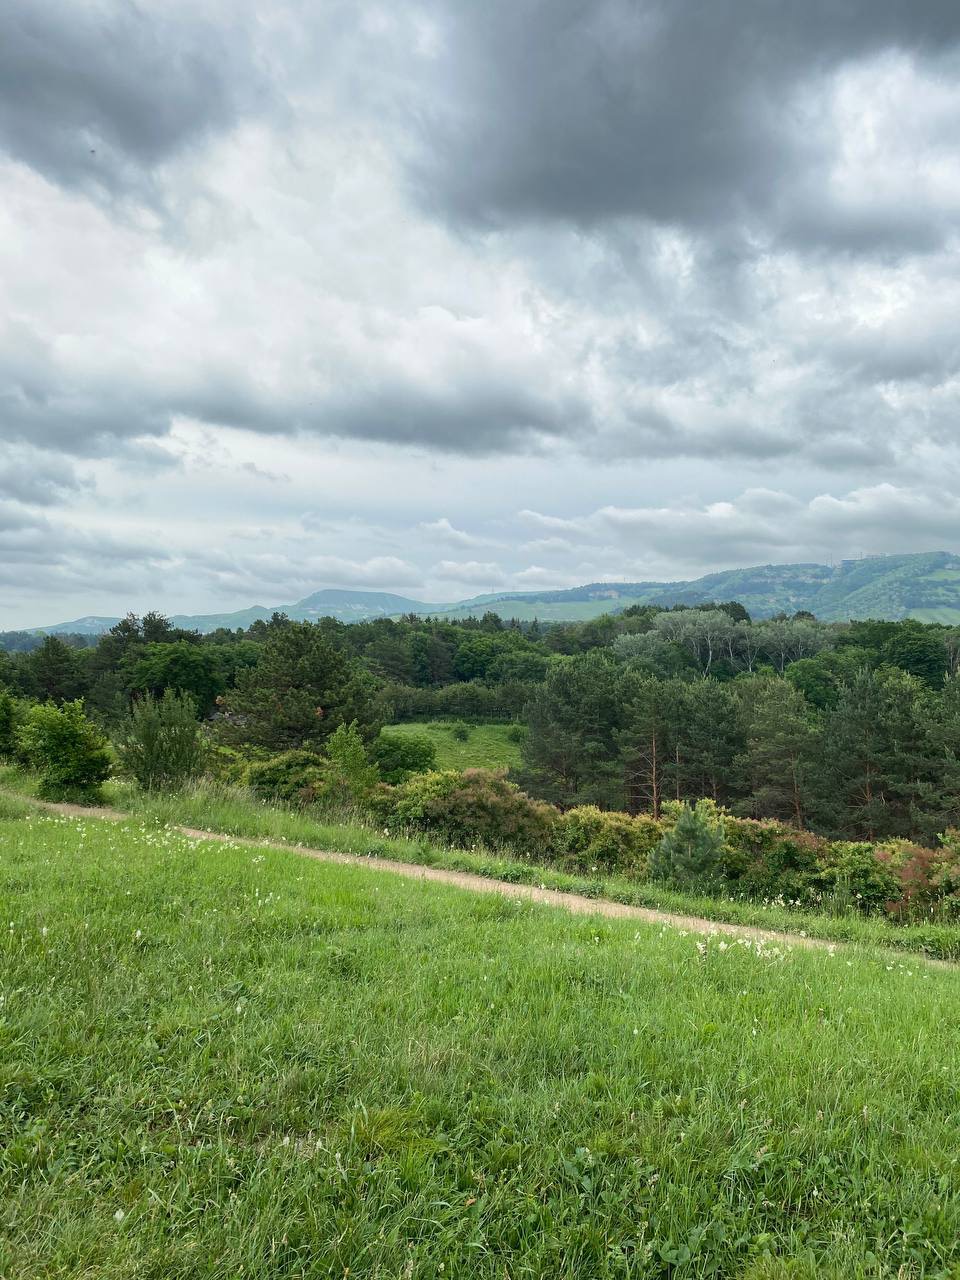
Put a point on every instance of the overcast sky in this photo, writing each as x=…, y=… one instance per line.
x=444, y=297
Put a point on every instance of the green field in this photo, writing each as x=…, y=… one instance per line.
x=216, y=807
x=488, y=746
x=217, y=1061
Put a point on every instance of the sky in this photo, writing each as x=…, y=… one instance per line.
x=443, y=298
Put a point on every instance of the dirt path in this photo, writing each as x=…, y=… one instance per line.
x=575, y=902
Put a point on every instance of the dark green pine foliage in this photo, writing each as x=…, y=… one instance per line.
x=942, y=807
x=781, y=744
x=57, y=672
x=690, y=855
x=710, y=739
x=878, y=767
x=303, y=688
x=570, y=753
x=652, y=712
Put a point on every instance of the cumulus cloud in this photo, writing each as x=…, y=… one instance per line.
x=765, y=526
x=682, y=113
x=688, y=268
x=97, y=94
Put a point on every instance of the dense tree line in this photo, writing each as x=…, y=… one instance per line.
x=852, y=729
x=880, y=759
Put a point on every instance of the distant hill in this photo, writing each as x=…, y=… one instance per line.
x=342, y=604
x=924, y=586
x=94, y=625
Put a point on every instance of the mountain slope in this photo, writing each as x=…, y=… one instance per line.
x=924, y=586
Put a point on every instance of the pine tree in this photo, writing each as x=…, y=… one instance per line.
x=877, y=765
x=57, y=671
x=570, y=752
x=302, y=689
x=652, y=714
x=710, y=739
x=776, y=765
x=690, y=854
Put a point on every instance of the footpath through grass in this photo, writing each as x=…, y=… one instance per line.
x=234, y=812
x=219, y=1062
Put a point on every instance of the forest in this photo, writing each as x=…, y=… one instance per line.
x=849, y=730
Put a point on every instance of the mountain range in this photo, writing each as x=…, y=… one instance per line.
x=924, y=586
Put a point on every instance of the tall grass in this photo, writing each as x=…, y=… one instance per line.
x=217, y=1061
x=233, y=811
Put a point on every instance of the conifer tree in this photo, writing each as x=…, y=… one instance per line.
x=877, y=766
x=690, y=855
x=301, y=690
x=56, y=671
x=775, y=768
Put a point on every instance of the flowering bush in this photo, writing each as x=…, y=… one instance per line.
x=591, y=839
x=475, y=805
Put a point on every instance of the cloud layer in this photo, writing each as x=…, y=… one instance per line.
x=300, y=295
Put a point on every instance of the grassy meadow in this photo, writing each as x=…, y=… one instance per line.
x=221, y=1061
x=234, y=811
x=486, y=746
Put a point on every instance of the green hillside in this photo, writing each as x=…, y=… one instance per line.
x=924, y=586
x=485, y=746
x=221, y=1060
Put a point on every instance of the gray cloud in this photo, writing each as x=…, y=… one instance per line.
x=95, y=94
x=679, y=112
x=474, y=409
x=414, y=267
x=37, y=479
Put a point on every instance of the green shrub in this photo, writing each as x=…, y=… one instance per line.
x=398, y=755
x=946, y=878
x=767, y=859
x=349, y=776
x=289, y=776
x=68, y=751
x=160, y=745
x=10, y=717
x=690, y=854
x=476, y=805
x=850, y=870
x=227, y=764
x=590, y=839
x=460, y=731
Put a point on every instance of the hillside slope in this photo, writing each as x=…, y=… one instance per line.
x=924, y=586
x=240, y=1062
